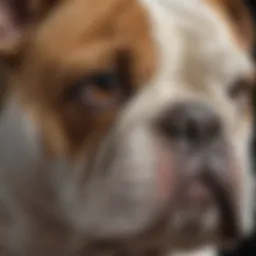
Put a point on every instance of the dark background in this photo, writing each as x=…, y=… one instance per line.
x=248, y=246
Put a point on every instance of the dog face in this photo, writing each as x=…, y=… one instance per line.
x=137, y=112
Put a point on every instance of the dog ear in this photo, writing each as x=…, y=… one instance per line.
x=239, y=19
x=16, y=16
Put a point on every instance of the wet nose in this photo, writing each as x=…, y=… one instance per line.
x=192, y=122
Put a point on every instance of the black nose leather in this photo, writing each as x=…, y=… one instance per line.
x=193, y=122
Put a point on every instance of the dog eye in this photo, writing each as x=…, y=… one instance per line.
x=97, y=90
x=241, y=93
x=240, y=88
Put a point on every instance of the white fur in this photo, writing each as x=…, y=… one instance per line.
x=196, y=51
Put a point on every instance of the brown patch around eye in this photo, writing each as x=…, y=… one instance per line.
x=71, y=47
x=103, y=89
x=88, y=108
x=95, y=97
x=97, y=90
x=99, y=95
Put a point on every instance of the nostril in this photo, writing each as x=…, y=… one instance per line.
x=194, y=123
x=192, y=130
x=213, y=130
x=170, y=129
x=205, y=130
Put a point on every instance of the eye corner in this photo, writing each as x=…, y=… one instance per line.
x=96, y=89
x=102, y=88
x=240, y=87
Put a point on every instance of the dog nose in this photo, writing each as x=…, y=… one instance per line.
x=192, y=122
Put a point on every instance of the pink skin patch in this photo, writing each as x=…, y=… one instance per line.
x=166, y=180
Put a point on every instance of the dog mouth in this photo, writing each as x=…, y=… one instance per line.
x=226, y=203
x=208, y=206
x=197, y=195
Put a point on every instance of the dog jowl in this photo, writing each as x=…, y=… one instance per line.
x=121, y=117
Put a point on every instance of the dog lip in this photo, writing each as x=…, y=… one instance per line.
x=206, y=185
x=229, y=221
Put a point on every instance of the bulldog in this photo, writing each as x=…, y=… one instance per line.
x=125, y=126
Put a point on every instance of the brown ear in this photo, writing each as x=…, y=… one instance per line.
x=238, y=17
x=16, y=16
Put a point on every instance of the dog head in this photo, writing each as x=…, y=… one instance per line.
x=135, y=111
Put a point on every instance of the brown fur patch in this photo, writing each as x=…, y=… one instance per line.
x=77, y=38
